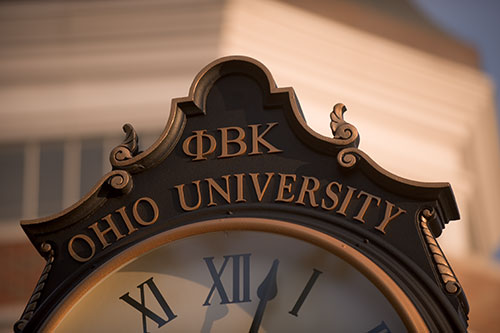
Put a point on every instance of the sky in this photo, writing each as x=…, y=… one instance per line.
x=477, y=22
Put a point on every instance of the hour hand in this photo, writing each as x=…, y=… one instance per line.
x=267, y=290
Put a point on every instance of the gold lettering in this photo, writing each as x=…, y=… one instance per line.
x=346, y=201
x=216, y=187
x=255, y=180
x=283, y=186
x=127, y=221
x=332, y=196
x=239, y=187
x=304, y=189
x=366, y=204
x=182, y=199
x=388, y=217
x=87, y=240
x=101, y=234
x=259, y=139
x=199, y=154
x=238, y=140
x=153, y=206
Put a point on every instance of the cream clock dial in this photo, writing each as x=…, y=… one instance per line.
x=235, y=281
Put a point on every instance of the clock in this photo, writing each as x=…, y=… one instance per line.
x=236, y=275
x=241, y=218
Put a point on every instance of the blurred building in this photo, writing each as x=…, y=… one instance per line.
x=72, y=73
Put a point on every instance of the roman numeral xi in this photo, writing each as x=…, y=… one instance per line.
x=147, y=313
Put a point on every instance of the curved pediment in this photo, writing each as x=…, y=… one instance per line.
x=251, y=89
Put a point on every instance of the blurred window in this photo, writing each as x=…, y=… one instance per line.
x=51, y=178
x=91, y=164
x=11, y=181
x=32, y=179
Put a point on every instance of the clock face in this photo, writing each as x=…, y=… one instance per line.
x=233, y=281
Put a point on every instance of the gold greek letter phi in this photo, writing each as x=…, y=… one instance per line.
x=200, y=153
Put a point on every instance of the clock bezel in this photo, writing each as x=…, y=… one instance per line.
x=407, y=311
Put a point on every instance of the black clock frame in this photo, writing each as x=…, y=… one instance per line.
x=197, y=170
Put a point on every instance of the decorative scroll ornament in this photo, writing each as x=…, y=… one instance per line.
x=128, y=148
x=47, y=249
x=348, y=157
x=121, y=181
x=448, y=278
x=341, y=129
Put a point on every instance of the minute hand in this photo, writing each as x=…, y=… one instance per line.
x=267, y=290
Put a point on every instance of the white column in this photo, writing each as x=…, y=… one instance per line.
x=31, y=180
x=71, y=172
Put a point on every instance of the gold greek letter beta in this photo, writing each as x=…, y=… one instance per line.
x=238, y=140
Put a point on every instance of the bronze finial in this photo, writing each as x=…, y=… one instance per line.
x=128, y=148
x=341, y=129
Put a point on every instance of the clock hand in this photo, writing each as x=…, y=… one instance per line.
x=266, y=292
